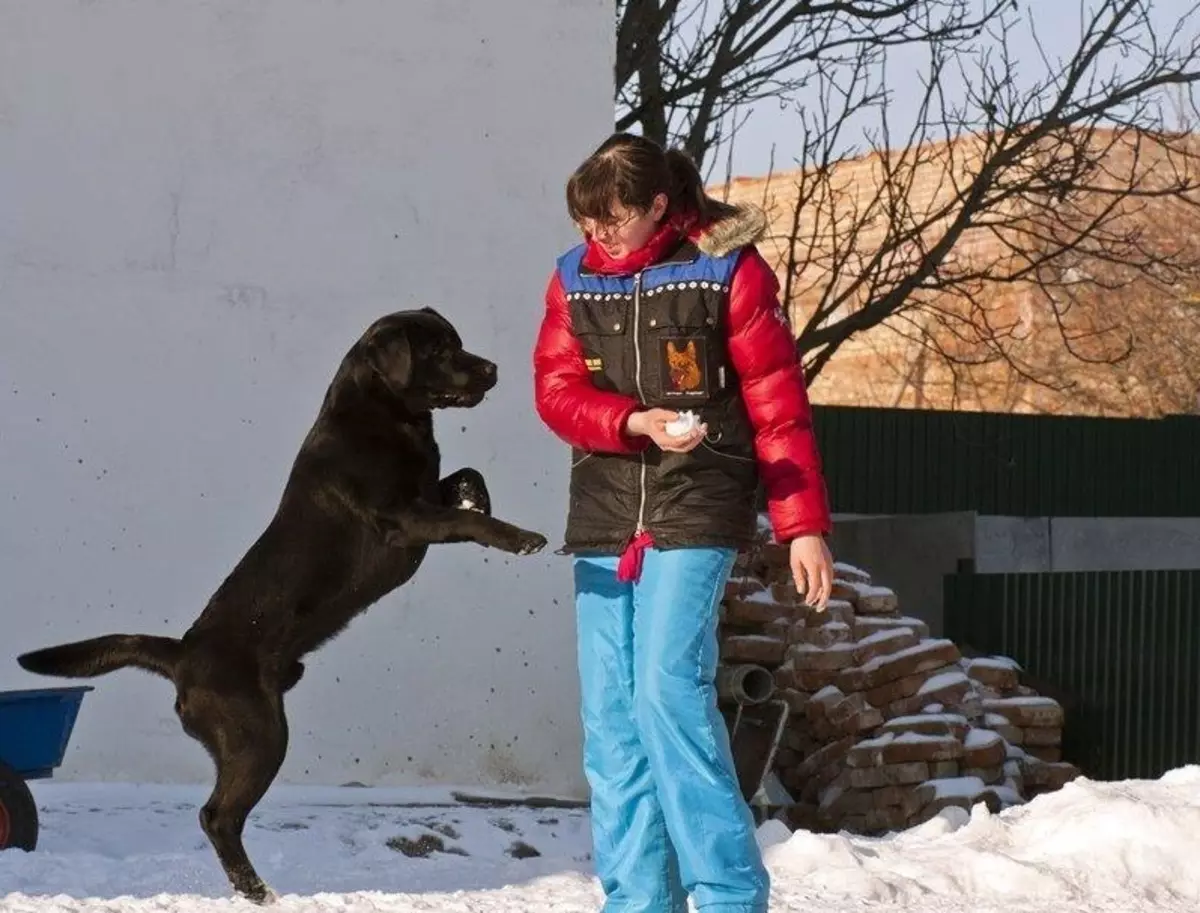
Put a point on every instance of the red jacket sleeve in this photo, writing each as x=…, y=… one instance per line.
x=763, y=352
x=567, y=401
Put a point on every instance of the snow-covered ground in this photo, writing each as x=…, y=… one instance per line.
x=1094, y=847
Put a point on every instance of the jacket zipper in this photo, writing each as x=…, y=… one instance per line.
x=637, y=380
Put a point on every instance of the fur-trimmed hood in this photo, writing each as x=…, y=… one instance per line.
x=740, y=225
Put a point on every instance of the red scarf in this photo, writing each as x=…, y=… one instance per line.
x=672, y=230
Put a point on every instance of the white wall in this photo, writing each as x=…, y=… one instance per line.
x=201, y=207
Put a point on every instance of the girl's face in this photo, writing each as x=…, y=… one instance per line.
x=628, y=229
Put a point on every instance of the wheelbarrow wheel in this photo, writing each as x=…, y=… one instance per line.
x=18, y=812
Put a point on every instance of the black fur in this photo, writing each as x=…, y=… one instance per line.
x=362, y=504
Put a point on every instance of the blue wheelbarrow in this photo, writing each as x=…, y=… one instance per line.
x=35, y=726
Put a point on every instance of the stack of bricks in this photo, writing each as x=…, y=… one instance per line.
x=888, y=726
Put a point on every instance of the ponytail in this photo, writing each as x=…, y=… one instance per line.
x=686, y=189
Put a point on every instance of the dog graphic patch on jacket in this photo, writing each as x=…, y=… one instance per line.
x=684, y=367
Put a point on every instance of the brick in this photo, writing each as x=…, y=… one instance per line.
x=808, y=658
x=755, y=611
x=989, y=775
x=780, y=629
x=835, y=610
x=997, y=674
x=826, y=635
x=801, y=816
x=785, y=675
x=854, y=715
x=1047, y=753
x=1047, y=776
x=850, y=573
x=815, y=679
x=882, y=643
x=924, y=657
x=838, y=802
x=1027, y=712
x=866, y=625
x=845, y=592
x=984, y=748
x=1014, y=735
x=884, y=820
x=742, y=587
x=1041, y=736
x=875, y=600
x=950, y=724
x=786, y=594
x=753, y=648
x=867, y=599
x=843, y=714
x=831, y=755
x=905, y=687
x=987, y=796
x=936, y=692
x=944, y=769
x=903, y=749
x=890, y=775
x=796, y=738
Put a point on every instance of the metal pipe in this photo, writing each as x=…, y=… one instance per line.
x=745, y=684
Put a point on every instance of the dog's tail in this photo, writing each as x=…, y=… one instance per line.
x=100, y=655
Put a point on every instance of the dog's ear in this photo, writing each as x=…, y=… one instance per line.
x=389, y=355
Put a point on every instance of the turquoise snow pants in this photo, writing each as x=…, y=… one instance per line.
x=668, y=818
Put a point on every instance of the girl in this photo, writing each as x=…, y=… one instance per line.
x=667, y=308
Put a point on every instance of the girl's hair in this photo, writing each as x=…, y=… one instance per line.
x=631, y=170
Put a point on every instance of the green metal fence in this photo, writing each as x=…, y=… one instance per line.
x=1123, y=645
x=909, y=461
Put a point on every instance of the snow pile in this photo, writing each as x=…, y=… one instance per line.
x=1129, y=843
x=1086, y=848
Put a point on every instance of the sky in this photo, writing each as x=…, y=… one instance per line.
x=1057, y=24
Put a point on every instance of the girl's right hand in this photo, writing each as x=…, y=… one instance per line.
x=652, y=423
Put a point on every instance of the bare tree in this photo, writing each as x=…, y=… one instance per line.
x=685, y=69
x=995, y=220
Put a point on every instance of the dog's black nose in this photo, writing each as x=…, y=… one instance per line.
x=489, y=370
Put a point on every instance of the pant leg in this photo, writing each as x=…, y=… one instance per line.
x=633, y=856
x=675, y=661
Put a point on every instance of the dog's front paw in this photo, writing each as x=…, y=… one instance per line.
x=466, y=490
x=530, y=543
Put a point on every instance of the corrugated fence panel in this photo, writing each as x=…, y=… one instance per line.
x=1124, y=647
x=908, y=461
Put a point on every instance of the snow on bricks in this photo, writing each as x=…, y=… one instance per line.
x=887, y=726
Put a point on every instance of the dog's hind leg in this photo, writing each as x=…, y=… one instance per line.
x=248, y=747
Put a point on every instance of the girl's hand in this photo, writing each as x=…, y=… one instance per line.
x=812, y=569
x=652, y=423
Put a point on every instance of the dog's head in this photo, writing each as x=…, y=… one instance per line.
x=419, y=358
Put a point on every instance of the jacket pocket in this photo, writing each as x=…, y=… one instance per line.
x=602, y=326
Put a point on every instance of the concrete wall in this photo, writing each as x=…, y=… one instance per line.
x=202, y=207
x=1087, y=543
x=912, y=553
x=909, y=554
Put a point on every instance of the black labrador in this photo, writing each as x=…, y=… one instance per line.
x=363, y=503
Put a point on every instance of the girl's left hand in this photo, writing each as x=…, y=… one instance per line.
x=812, y=569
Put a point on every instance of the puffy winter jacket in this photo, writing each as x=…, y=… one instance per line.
x=691, y=321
